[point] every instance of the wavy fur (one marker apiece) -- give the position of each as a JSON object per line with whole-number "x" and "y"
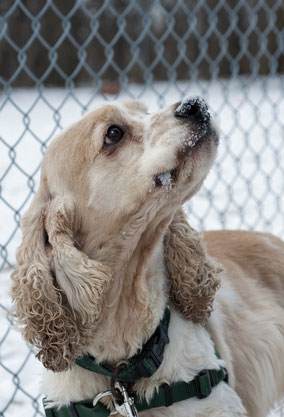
{"x": 193, "y": 276}
{"x": 57, "y": 319}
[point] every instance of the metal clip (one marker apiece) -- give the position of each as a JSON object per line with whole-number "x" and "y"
{"x": 126, "y": 407}
{"x": 123, "y": 405}
{"x": 102, "y": 395}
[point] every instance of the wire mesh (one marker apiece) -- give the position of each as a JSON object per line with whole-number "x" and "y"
{"x": 60, "y": 58}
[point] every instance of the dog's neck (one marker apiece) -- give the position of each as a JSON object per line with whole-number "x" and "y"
{"x": 136, "y": 300}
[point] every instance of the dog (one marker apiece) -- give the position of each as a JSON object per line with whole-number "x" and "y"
{"x": 107, "y": 248}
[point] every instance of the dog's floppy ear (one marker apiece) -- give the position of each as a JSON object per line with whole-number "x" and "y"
{"x": 193, "y": 276}
{"x": 83, "y": 280}
{"x": 54, "y": 322}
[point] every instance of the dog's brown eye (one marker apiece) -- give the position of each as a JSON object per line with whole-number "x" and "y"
{"x": 114, "y": 135}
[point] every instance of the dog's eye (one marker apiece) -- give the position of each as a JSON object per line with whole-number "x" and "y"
{"x": 113, "y": 135}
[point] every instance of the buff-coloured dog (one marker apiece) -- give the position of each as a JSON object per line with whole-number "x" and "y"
{"x": 106, "y": 247}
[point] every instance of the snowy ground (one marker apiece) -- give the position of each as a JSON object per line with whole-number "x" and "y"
{"x": 245, "y": 188}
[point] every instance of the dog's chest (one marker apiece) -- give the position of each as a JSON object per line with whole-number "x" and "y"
{"x": 189, "y": 351}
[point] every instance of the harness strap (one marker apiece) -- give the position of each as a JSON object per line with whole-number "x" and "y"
{"x": 200, "y": 387}
{"x": 142, "y": 365}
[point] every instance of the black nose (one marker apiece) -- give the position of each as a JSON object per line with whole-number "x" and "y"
{"x": 193, "y": 109}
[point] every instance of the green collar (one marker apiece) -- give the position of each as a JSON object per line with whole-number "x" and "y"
{"x": 200, "y": 387}
{"x": 142, "y": 365}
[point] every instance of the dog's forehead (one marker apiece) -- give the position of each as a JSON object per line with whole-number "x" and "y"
{"x": 130, "y": 116}
{"x": 135, "y": 106}
{"x": 126, "y": 112}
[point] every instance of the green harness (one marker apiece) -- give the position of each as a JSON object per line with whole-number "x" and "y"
{"x": 142, "y": 365}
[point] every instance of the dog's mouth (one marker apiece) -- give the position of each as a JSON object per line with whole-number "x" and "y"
{"x": 194, "y": 117}
{"x": 166, "y": 179}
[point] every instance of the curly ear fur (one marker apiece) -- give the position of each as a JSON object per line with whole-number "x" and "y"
{"x": 83, "y": 280}
{"x": 193, "y": 276}
{"x": 57, "y": 328}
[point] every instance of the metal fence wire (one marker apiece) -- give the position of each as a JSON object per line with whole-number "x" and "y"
{"x": 58, "y": 58}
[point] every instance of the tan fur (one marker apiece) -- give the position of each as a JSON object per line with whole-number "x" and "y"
{"x": 254, "y": 317}
{"x": 104, "y": 250}
{"x": 193, "y": 276}
{"x": 57, "y": 328}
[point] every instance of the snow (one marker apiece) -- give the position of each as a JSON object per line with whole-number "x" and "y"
{"x": 15, "y": 358}
{"x": 164, "y": 179}
{"x": 193, "y": 105}
{"x": 244, "y": 189}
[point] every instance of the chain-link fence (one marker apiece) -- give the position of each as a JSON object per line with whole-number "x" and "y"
{"x": 58, "y": 58}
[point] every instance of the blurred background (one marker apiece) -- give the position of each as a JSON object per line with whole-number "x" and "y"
{"x": 60, "y": 58}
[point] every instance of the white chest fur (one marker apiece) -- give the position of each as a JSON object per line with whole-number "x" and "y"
{"x": 190, "y": 350}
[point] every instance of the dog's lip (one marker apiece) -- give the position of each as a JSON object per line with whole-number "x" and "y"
{"x": 167, "y": 179}
{"x": 200, "y": 133}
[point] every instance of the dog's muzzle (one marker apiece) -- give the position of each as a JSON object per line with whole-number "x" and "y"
{"x": 194, "y": 110}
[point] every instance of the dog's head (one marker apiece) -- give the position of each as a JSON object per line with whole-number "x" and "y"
{"x": 118, "y": 174}
{"x": 119, "y": 159}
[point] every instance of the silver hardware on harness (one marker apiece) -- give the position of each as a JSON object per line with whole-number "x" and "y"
{"x": 125, "y": 406}
{"x": 102, "y": 395}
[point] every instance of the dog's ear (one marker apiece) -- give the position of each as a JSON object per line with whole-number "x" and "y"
{"x": 53, "y": 322}
{"x": 83, "y": 280}
{"x": 193, "y": 276}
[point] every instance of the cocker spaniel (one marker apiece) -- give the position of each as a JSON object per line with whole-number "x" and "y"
{"x": 106, "y": 248}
